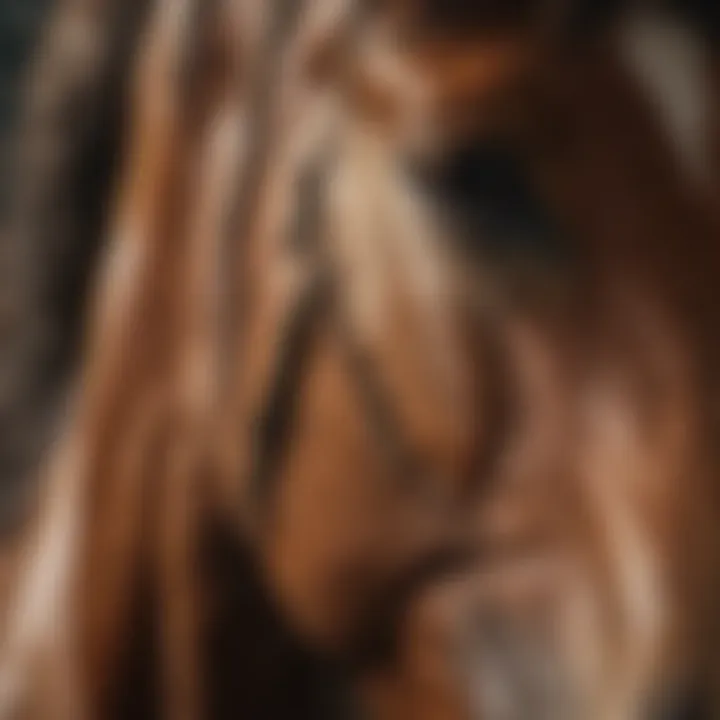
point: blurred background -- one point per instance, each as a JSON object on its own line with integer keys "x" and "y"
{"x": 20, "y": 23}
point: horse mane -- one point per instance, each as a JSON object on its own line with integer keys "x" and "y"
{"x": 151, "y": 528}
{"x": 63, "y": 168}
{"x": 66, "y": 149}
{"x": 79, "y": 167}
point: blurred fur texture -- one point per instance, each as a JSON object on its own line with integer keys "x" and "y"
{"x": 63, "y": 164}
{"x": 163, "y": 596}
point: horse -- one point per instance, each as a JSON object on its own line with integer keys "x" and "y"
{"x": 398, "y": 362}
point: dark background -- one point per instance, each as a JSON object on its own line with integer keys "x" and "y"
{"x": 20, "y": 22}
{"x": 20, "y": 26}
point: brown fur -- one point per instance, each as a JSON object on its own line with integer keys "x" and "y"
{"x": 159, "y": 449}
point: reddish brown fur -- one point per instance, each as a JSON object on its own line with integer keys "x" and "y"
{"x": 164, "y": 436}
